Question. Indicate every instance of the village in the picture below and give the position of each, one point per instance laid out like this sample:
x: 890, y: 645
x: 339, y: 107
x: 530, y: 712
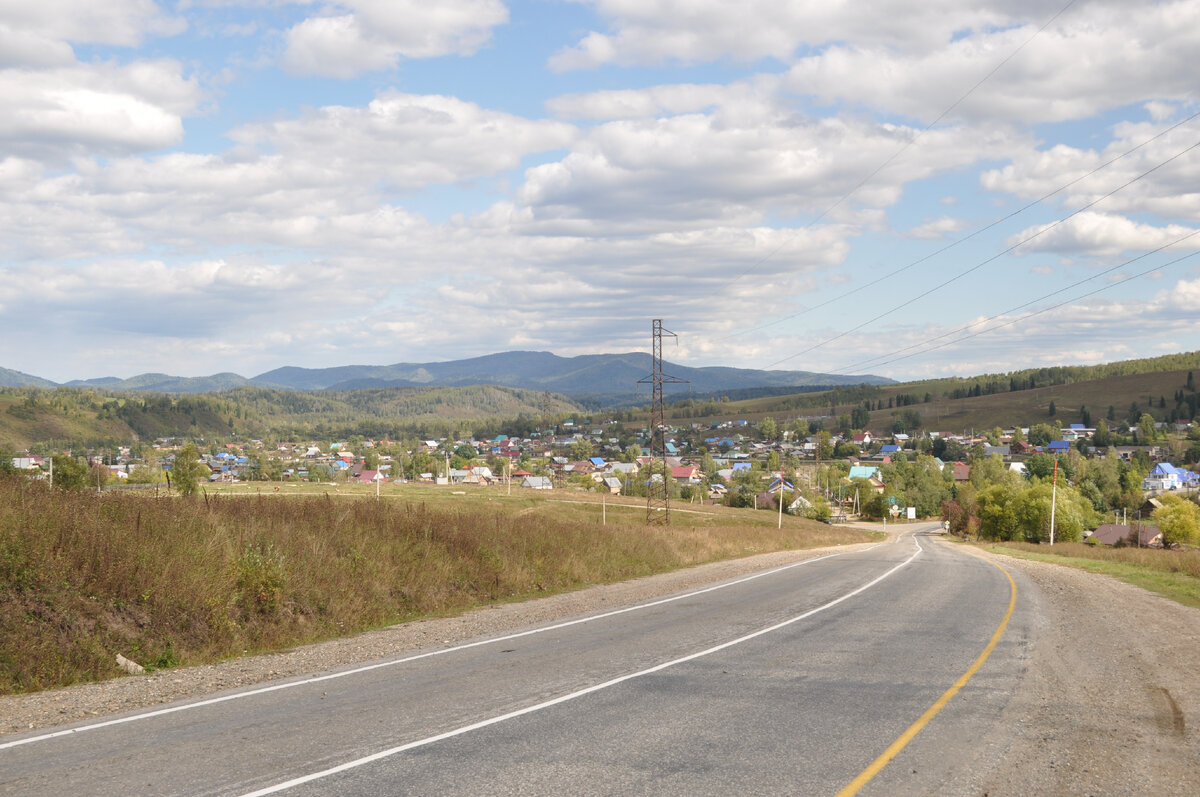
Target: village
x: 830, y: 476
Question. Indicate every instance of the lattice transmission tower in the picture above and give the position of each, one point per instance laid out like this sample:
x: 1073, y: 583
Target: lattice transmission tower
x: 658, y: 490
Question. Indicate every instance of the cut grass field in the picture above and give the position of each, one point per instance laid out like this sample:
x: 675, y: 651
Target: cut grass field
x: 167, y: 581
x: 1172, y: 574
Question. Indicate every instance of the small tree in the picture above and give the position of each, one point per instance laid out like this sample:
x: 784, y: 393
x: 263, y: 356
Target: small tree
x: 186, y: 472
x: 1178, y: 520
x: 1147, y: 430
x: 70, y: 473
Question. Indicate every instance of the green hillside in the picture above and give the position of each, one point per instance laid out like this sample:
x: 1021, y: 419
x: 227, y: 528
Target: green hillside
x: 1157, y: 385
x: 67, y: 417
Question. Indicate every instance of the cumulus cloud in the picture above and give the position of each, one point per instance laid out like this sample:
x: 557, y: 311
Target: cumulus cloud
x: 101, y: 108
x: 1101, y: 235
x: 1160, y: 175
x: 730, y: 165
x: 654, y: 31
x: 1095, y: 58
x: 356, y: 36
x: 641, y: 103
x: 122, y: 23
x: 409, y: 140
x: 57, y: 107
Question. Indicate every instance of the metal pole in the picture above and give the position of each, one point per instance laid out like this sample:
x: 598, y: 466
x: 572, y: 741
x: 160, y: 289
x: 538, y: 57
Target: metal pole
x: 1053, y: 500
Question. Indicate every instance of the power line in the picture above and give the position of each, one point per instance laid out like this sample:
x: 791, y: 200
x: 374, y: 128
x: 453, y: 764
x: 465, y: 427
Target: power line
x: 991, y: 259
x: 875, y: 362
x: 965, y: 238
x: 1027, y: 316
x: 904, y: 148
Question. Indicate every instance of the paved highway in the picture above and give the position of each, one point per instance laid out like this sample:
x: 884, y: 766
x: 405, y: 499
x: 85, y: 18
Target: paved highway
x: 794, y: 681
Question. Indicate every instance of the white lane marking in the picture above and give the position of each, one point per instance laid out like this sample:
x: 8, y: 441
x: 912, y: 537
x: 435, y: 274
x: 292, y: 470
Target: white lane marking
x: 573, y: 695
x: 406, y: 659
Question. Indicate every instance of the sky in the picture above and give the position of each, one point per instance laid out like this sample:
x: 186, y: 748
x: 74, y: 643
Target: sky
x: 951, y: 187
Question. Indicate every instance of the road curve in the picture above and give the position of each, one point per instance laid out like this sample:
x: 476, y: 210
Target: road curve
x: 791, y: 681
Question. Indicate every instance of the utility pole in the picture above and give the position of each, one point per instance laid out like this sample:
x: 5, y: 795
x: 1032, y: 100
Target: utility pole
x: 1053, y: 500
x: 658, y: 494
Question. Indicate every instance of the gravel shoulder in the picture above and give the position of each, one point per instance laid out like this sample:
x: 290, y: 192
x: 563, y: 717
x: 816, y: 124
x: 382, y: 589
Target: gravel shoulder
x: 1109, y: 704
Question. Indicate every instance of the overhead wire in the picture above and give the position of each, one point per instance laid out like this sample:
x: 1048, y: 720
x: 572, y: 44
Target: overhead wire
x: 900, y: 151
x: 1027, y: 316
x: 883, y: 359
x: 997, y: 222
x: 985, y: 262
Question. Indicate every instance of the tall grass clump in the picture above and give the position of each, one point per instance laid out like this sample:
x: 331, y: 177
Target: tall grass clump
x: 85, y: 576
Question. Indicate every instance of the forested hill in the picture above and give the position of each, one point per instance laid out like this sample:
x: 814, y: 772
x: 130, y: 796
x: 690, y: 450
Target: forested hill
x: 83, y: 417
x: 607, y: 379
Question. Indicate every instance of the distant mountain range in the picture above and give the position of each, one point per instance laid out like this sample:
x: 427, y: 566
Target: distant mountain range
x: 595, y: 375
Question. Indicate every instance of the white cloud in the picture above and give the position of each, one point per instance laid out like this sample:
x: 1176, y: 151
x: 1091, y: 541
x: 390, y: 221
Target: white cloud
x: 24, y: 48
x: 1161, y: 177
x: 731, y: 165
x: 642, y: 103
x: 654, y: 31
x: 1094, y: 58
x: 409, y: 140
x: 57, y: 107
x: 117, y: 22
x: 104, y: 108
x: 1102, y: 235
x: 356, y: 36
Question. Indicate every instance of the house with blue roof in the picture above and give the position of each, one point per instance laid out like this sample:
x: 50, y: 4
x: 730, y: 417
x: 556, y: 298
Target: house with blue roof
x: 1166, y: 476
x: 889, y: 449
x: 1058, y: 447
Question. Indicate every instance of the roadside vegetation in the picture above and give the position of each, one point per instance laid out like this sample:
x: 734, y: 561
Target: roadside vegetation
x: 170, y: 580
x: 1174, y: 574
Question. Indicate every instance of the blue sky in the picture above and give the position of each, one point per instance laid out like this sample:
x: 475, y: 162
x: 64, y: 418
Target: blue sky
x: 207, y: 186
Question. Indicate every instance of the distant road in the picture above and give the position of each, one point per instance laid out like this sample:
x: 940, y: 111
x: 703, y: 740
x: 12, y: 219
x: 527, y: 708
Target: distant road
x: 790, y: 682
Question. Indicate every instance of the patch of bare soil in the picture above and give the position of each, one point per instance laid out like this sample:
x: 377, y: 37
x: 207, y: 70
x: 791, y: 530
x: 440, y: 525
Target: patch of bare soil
x: 1111, y: 701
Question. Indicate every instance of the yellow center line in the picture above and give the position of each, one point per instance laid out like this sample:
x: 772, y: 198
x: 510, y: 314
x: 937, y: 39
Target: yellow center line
x: 895, y: 747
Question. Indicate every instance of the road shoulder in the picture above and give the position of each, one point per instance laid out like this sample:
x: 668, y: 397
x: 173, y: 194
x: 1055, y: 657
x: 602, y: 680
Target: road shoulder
x: 1110, y: 703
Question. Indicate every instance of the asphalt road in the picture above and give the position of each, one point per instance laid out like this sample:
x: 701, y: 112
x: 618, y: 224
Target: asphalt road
x: 790, y: 682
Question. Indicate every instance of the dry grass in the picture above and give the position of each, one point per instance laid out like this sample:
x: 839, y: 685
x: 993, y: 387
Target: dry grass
x: 1173, y: 574
x: 1174, y: 561
x: 165, y: 580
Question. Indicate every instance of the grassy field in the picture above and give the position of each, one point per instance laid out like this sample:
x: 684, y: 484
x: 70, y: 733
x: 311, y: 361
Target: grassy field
x: 1173, y: 574
x: 167, y: 581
